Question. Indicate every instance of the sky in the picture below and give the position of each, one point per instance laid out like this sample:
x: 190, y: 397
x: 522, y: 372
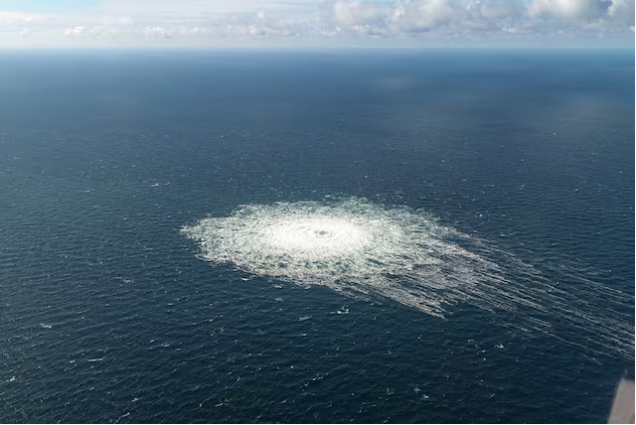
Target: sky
x: 315, y: 23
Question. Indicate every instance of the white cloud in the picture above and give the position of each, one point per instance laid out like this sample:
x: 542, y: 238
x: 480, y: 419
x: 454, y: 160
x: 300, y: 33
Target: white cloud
x: 425, y: 15
x: 495, y: 10
x: 218, y: 22
x: 202, y: 8
x: 357, y: 13
x: 570, y: 9
x: 157, y: 32
x: 75, y: 31
x: 15, y: 17
x: 601, y: 18
x: 621, y: 6
x: 622, y: 12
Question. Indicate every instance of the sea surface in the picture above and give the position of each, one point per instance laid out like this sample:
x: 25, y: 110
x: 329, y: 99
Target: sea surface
x: 110, y: 313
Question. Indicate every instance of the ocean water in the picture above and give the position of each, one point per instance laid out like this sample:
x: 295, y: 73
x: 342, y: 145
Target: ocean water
x: 507, y: 296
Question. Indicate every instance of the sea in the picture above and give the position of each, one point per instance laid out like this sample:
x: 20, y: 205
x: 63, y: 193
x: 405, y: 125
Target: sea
x: 111, y: 313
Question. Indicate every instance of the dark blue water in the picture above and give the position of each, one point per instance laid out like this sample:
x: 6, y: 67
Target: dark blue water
x: 107, y: 315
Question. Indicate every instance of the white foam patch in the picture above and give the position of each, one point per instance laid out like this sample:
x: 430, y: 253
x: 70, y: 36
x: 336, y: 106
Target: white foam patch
x: 366, y: 250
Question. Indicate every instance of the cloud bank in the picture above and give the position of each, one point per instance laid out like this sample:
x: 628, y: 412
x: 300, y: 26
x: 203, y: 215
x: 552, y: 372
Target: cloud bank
x: 217, y: 23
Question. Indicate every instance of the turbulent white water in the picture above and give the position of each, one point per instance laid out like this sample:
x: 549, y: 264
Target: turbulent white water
x: 351, y: 246
x: 366, y: 250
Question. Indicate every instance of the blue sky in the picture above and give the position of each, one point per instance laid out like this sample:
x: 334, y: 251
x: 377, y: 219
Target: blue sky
x: 315, y: 23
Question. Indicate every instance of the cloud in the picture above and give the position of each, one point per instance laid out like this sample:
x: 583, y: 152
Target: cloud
x: 495, y: 10
x: 16, y: 17
x: 582, y: 10
x: 357, y: 13
x: 600, y: 17
x: 622, y: 12
x: 75, y: 31
x: 219, y: 22
x: 425, y: 15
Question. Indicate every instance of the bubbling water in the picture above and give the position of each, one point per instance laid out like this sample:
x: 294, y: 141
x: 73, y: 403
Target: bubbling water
x: 366, y: 250
x: 351, y: 246
x: 319, y: 237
